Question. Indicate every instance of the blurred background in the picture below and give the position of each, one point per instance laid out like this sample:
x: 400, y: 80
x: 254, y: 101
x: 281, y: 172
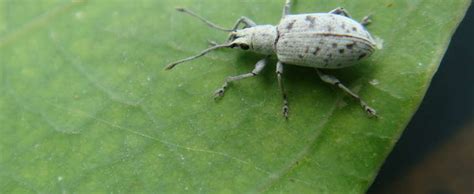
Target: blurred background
x: 435, y: 154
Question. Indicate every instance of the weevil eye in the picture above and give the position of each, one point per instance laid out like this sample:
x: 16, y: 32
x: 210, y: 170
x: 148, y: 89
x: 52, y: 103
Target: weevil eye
x: 244, y: 46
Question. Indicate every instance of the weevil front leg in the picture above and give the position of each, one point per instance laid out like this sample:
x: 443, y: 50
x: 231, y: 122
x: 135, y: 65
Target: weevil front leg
x: 341, y: 11
x: 279, y: 72
x: 242, y: 20
x: 334, y: 81
x: 258, y: 68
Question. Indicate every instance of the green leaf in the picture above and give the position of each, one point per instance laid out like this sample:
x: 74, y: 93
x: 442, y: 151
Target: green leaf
x: 85, y: 105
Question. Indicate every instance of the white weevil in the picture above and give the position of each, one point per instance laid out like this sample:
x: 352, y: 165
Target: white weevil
x: 319, y: 40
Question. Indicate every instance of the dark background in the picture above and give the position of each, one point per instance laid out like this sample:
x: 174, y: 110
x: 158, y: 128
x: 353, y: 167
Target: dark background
x: 436, y: 152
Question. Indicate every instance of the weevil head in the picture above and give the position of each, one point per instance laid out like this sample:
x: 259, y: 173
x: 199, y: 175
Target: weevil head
x: 259, y: 39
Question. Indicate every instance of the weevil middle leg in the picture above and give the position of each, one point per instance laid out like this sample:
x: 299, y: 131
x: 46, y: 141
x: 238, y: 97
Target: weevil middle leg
x: 341, y: 11
x: 334, y: 81
x: 279, y: 72
x: 258, y: 68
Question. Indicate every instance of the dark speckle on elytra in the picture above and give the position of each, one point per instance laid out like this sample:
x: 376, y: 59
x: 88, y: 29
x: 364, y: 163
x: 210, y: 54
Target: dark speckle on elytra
x: 341, y: 51
x: 326, y: 62
x: 310, y: 19
x: 329, y: 28
x: 300, y: 56
x: 306, y: 50
x: 316, y: 51
x: 354, y: 29
x: 362, y: 56
x: 334, y: 45
x: 290, y: 25
x: 343, y: 26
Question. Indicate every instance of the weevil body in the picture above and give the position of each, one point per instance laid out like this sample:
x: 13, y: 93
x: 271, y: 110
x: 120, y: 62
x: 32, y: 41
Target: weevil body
x: 322, y: 40
x: 319, y: 40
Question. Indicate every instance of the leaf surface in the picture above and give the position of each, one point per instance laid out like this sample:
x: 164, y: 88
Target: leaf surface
x: 86, y: 105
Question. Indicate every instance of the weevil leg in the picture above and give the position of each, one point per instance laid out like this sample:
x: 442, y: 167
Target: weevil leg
x: 287, y: 8
x: 258, y: 68
x: 242, y: 20
x: 279, y: 72
x: 367, y: 20
x: 341, y: 11
x: 334, y: 81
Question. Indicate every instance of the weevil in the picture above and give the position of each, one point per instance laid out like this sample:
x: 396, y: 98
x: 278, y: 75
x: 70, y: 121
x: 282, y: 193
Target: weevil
x: 317, y: 40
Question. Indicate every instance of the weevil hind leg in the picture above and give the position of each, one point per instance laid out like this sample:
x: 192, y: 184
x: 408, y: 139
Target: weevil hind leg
x: 258, y: 68
x: 334, y: 81
x: 279, y: 72
x: 341, y: 11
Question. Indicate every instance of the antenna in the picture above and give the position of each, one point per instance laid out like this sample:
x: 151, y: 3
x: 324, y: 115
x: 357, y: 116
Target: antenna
x: 209, y: 23
x: 204, y: 52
